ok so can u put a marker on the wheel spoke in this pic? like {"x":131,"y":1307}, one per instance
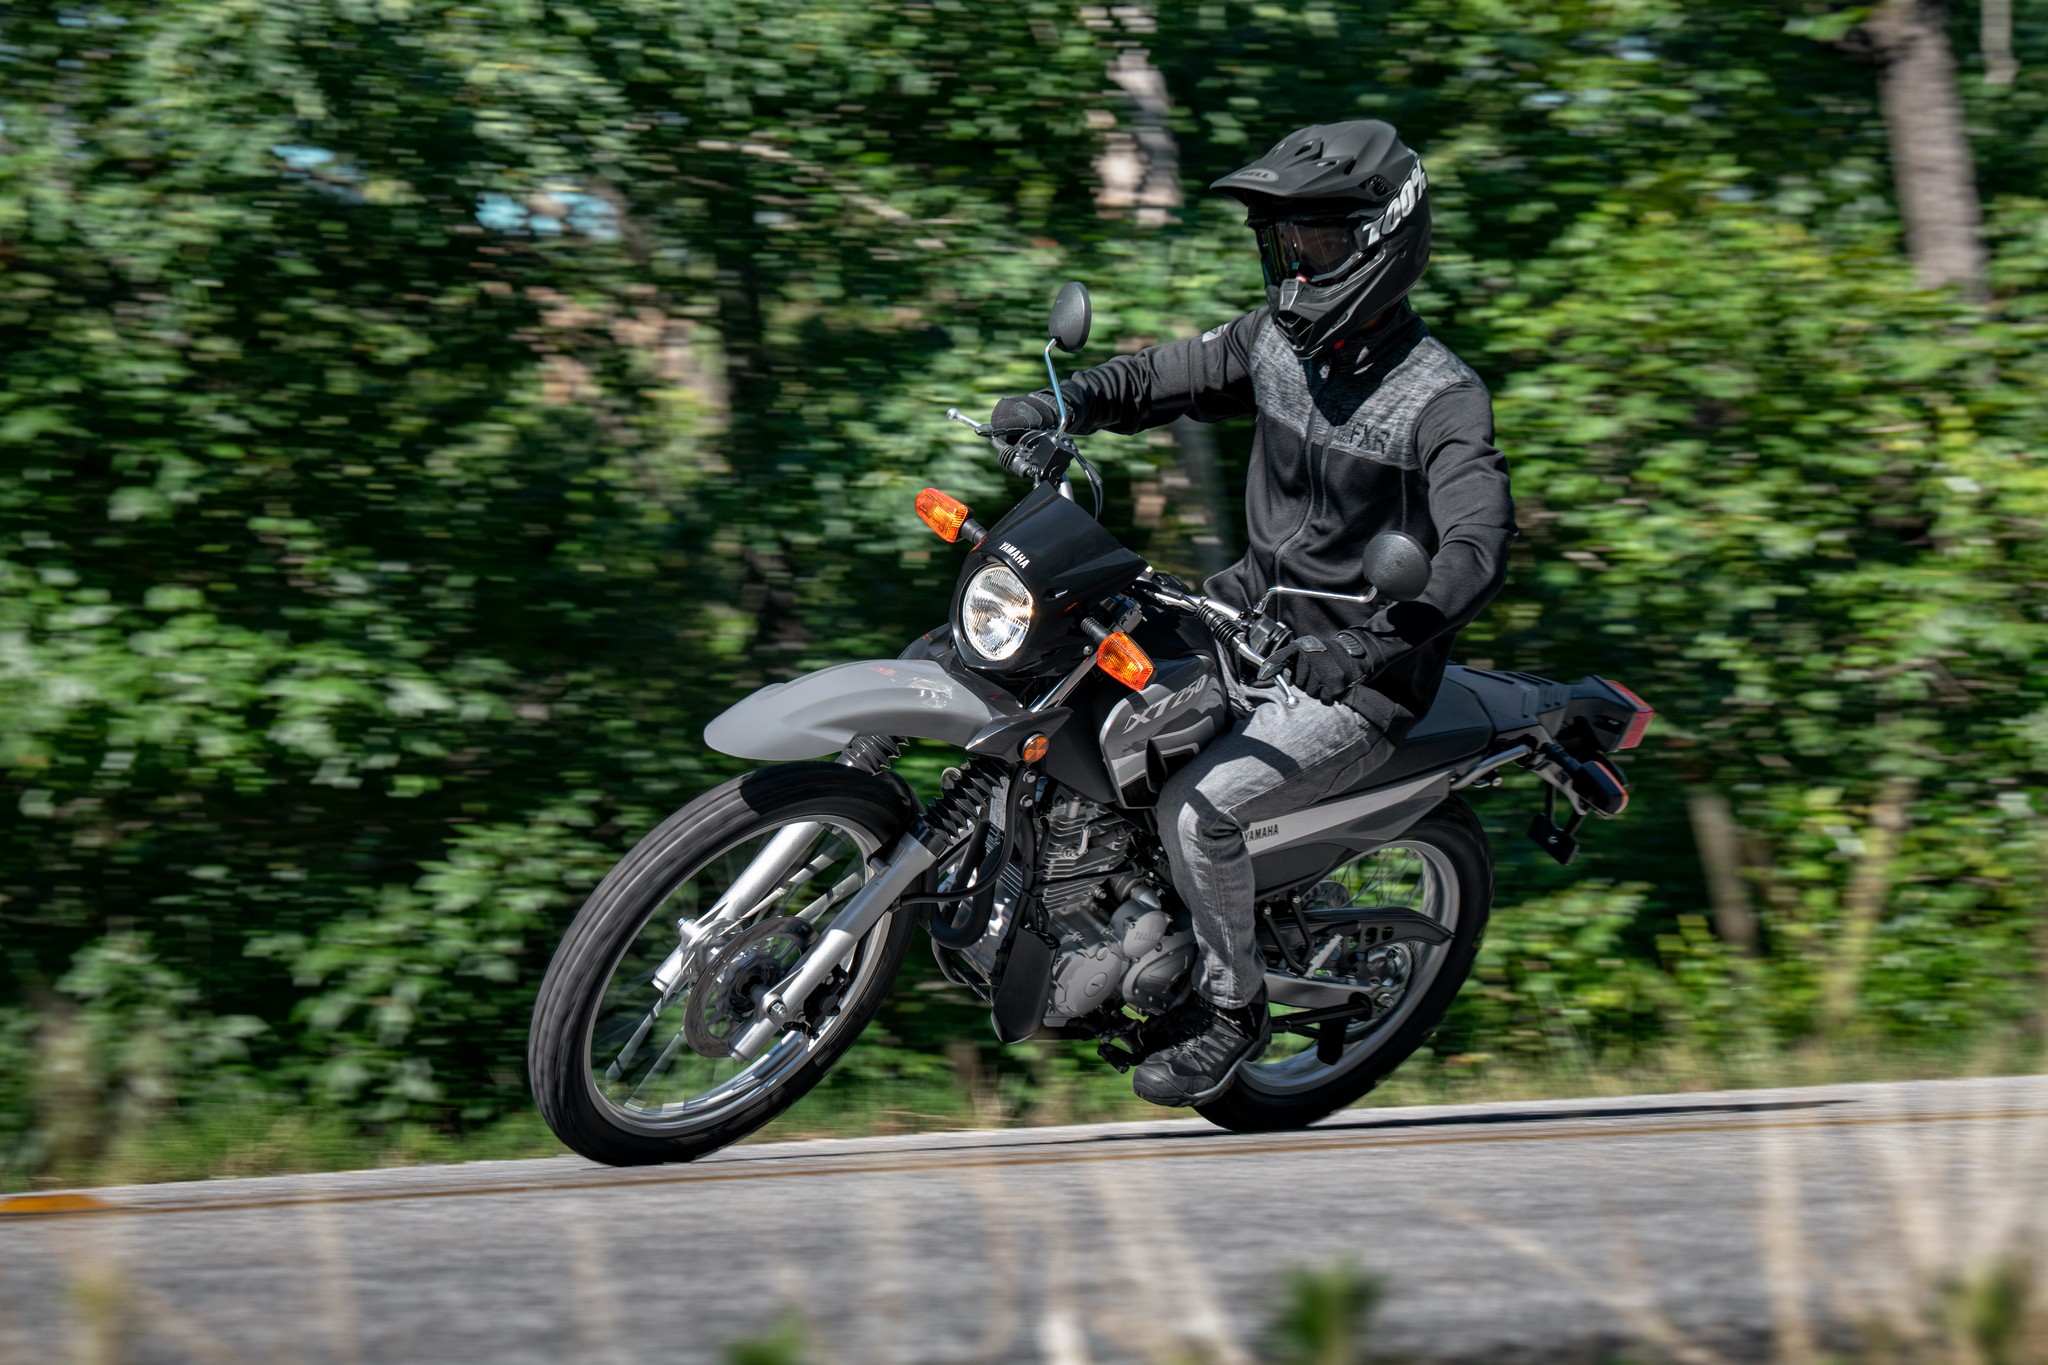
{"x":1395,"y":975}
{"x":632,"y":1047}
{"x":672,"y":1088}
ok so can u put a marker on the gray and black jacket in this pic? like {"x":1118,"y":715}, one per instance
{"x":1390,"y":432}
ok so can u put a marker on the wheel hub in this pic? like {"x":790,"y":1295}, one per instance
{"x":728,"y":996}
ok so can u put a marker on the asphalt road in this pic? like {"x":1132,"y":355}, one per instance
{"x":1731,"y":1226}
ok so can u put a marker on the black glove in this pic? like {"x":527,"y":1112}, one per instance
{"x":1324,"y":673}
{"x":1021,"y":414}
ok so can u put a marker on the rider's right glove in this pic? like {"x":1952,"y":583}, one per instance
{"x":1021,"y":414}
{"x":1324,"y":673}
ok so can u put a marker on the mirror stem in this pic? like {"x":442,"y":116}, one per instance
{"x":1057,"y":396}
{"x":1365,"y":599}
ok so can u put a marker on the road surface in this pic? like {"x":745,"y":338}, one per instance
{"x":1730,"y":1226}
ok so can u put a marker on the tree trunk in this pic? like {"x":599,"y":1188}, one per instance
{"x":1863,"y":902}
{"x":1138,"y":173}
{"x":1138,"y":167}
{"x":1931,"y":162}
{"x":1994,"y":35}
{"x":1720,"y":845}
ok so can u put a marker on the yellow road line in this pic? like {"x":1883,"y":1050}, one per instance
{"x":54,"y":1203}
{"x":1308,"y":1141}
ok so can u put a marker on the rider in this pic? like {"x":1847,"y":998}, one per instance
{"x":1366,"y":423}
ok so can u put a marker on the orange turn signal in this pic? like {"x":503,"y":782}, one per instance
{"x":1035,"y":747}
{"x":943,"y":514}
{"x":1120,"y":657}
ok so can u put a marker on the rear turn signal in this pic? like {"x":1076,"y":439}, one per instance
{"x":1637,"y":723}
{"x":942,"y":513}
{"x":1119,"y":656}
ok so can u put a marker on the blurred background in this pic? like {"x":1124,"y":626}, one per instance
{"x":416,"y":421}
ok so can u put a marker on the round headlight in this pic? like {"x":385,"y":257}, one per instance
{"x":995,"y":613}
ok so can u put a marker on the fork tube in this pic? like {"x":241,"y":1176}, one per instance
{"x":782,"y":1007}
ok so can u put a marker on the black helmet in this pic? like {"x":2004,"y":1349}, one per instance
{"x":1341,"y":211}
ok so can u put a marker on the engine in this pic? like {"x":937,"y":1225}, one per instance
{"x":1117,"y":941}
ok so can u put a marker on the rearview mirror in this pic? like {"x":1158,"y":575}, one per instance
{"x":1397,"y":565}
{"x":1070,"y":317}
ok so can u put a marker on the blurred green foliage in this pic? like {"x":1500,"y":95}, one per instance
{"x":1324,"y":1316}
{"x":416,"y":422}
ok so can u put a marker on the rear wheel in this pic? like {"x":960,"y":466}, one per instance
{"x":1442,"y":868}
{"x":665,"y":965}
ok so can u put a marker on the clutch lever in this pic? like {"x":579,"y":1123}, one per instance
{"x":1013,"y":458}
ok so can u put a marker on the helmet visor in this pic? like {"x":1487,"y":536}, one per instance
{"x":1324,"y":250}
{"x":1321,"y":250}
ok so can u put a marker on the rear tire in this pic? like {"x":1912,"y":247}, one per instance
{"x":1451,"y":840}
{"x":608,"y":932}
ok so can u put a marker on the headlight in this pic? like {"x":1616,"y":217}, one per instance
{"x":995,"y":613}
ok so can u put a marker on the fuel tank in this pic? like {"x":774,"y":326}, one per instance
{"x":1122,"y":745}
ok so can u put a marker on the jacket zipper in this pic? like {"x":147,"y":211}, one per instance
{"x":1315,"y":483}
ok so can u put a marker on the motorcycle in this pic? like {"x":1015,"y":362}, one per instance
{"x":732,"y":957}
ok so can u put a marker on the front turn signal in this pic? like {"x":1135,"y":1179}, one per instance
{"x":943,"y":513}
{"x":1119,"y":656}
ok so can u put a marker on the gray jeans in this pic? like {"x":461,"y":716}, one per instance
{"x":1277,"y":760}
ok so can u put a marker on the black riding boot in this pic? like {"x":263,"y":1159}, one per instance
{"x":1203,"y":1048}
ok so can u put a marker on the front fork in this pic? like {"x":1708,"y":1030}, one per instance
{"x":868,"y":753}
{"x":769,"y":867}
{"x":782,"y":1007}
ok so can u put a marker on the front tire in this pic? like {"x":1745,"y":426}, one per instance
{"x":1445,"y":864}
{"x":612,"y":1071}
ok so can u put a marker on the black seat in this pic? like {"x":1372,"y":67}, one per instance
{"x":1456,"y":727}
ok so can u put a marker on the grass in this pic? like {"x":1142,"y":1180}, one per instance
{"x":254,"y":1139}
{"x":1039,"y":1085}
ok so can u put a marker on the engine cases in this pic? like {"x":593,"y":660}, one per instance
{"x":1143,"y":960}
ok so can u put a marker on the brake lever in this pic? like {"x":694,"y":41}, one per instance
{"x":981,"y":429}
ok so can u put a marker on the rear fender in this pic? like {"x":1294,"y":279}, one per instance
{"x":820,"y":713}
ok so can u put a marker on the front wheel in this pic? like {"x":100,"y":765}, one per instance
{"x":629,"y":1050}
{"x":1441,"y":867}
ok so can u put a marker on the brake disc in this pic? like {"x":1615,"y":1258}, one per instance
{"x":728,"y":995}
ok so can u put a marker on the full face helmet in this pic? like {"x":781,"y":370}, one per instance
{"x":1341,"y":213}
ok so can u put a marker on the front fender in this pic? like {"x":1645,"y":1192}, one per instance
{"x":821,"y":712}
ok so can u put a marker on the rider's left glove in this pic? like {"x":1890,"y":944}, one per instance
{"x":1325,"y":673}
{"x":1021,"y":414}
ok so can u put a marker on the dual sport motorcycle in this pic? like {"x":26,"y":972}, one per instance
{"x":722,"y":968}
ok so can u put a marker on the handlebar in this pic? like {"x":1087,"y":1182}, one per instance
{"x":1229,"y":625}
{"x":1042,"y":457}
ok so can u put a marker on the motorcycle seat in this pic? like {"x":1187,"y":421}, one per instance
{"x":1456,"y":727}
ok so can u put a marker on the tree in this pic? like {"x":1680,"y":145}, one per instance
{"x":1931,"y":161}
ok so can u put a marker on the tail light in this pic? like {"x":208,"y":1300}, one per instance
{"x":1119,"y":656}
{"x":943,"y":513}
{"x":1637,"y":723}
